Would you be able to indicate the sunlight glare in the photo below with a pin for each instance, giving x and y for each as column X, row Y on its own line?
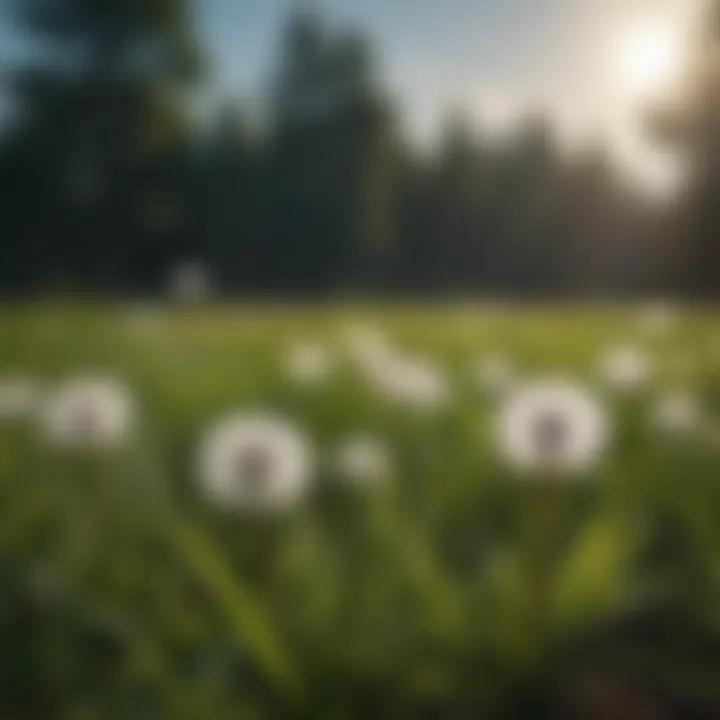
column 650, row 59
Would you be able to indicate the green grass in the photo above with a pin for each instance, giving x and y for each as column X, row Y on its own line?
column 455, row 589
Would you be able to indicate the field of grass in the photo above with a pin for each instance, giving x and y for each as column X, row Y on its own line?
column 453, row 587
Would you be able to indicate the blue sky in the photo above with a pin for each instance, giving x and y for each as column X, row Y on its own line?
column 493, row 58
column 440, row 52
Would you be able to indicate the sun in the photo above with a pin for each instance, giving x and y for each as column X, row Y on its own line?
column 649, row 59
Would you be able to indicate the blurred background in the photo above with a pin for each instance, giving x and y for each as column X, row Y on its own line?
column 353, row 508
column 524, row 147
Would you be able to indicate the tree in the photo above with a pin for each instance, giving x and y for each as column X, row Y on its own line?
column 332, row 157
column 689, row 240
column 103, row 116
column 233, row 196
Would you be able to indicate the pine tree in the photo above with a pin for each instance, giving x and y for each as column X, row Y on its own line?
column 104, row 122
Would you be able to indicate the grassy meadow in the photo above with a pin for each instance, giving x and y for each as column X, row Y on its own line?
column 454, row 586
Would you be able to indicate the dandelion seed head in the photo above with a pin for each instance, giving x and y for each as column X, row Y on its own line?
column 89, row 413
column 553, row 426
column 255, row 462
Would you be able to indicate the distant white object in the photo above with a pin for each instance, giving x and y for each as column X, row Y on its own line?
column 368, row 348
column 677, row 414
column 89, row 413
column 625, row 368
column 554, row 427
column 309, row 364
column 191, row 282
column 362, row 460
column 414, row 383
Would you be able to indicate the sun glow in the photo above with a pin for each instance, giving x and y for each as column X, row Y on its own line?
column 648, row 63
column 650, row 59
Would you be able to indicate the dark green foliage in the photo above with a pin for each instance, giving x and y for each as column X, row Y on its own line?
column 103, row 142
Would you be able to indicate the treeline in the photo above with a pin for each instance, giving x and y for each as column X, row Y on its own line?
column 107, row 182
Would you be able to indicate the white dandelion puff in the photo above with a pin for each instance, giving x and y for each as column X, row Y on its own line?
column 309, row 364
column 363, row 459
column 255, row 462
column 369, row 349
column 89, row 413
column 678, row 413
column 20, row 398
column 553, row 426
column 494, row 374
column 625, row 368
column 414, row 383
